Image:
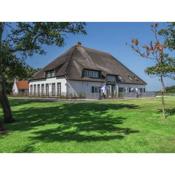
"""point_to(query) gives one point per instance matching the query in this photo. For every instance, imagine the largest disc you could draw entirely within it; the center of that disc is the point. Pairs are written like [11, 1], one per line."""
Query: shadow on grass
[29, 148]
[73, 122]
[168, 111]
[18, 102]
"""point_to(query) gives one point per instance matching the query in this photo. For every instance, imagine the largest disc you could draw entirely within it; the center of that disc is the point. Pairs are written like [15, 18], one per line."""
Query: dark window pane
[91, 74]
[92, 89]
[35, 89]
[53, 89]
[58, 89]
[47, 89]
[42, 89]
[121, 89]
[38, 89]
[50, 74]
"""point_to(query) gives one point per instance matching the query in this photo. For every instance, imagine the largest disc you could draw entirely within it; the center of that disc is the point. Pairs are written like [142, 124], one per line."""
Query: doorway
[110, 91]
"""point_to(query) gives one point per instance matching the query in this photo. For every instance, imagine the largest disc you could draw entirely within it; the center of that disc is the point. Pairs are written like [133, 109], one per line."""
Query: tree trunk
[8, 118]
[162, 96]
[2, 129]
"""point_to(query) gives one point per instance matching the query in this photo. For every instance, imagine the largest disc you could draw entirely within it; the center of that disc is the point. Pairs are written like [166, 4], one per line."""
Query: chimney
[79, 44]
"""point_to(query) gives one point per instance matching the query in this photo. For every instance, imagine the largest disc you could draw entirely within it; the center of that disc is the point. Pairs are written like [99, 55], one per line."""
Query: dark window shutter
[92, 89]
[83, 73]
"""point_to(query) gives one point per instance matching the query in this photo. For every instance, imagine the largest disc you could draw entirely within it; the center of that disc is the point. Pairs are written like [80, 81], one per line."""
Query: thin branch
[142, 54]
[154, 30]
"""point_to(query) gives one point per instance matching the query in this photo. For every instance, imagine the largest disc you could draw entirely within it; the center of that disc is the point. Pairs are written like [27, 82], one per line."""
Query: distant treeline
[170, 89]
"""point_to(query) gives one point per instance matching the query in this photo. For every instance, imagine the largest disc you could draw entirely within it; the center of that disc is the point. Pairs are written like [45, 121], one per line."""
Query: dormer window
[136, 78]
[50, 74]
[91, 74]
[120, 78]
[130, 78]
[111, 78]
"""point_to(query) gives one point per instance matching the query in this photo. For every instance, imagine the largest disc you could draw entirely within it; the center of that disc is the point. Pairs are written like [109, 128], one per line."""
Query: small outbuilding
[20, 87]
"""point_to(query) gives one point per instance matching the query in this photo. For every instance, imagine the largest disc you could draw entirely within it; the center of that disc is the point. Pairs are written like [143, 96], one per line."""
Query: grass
[85, 127]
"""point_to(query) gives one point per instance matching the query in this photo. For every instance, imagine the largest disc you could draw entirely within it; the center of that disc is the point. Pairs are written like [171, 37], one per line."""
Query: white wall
[84, 88]
[15, 89]
[72, 88]
[127, 86]
[49, 81]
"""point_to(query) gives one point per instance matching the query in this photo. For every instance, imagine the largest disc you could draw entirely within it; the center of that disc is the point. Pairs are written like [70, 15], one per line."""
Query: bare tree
[164, 64]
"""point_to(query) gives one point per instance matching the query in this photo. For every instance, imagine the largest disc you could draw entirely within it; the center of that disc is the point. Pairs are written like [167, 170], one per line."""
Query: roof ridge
[102, 52]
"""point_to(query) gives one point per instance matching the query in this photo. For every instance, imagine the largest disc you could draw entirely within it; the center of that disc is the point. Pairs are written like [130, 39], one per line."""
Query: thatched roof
[72, 62]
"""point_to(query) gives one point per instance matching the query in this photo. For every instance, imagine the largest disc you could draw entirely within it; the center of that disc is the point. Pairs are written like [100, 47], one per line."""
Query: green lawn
[84, 127]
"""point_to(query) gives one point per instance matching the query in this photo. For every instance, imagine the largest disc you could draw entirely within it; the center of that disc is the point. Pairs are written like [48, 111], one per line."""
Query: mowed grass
[105, 126]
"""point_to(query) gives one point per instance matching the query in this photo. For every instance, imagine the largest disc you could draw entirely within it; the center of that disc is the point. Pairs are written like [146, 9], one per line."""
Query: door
[58, 89]
[110, 91]
[47, 89]
[53, 89]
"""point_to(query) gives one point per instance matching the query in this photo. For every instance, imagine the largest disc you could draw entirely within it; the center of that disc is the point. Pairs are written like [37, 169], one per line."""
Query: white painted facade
[83, 89]
[127, 86]
[15, 88]
[72, 88]
[69, 88]
[49, 82]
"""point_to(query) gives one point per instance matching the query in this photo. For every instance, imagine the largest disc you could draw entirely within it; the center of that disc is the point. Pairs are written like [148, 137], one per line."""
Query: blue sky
[111, 38]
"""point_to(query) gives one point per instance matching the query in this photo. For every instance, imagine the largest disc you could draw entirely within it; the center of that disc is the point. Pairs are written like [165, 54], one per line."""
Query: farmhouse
[85, 72]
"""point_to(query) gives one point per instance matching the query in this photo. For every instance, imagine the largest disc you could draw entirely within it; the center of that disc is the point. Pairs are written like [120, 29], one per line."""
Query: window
[95, 89]
[131, 89]
[91, 74]
[120, 78]
[59, 89]
[38, 89]
[42, 89]
[53, 89]
[111, 78]
[50, 74]
[31, 89]
[130, 77]
[143, 89]
[35, 89]
[121, 89]
[47, 89]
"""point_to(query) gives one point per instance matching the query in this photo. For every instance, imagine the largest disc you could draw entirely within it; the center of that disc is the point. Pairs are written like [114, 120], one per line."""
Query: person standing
[103, 90]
